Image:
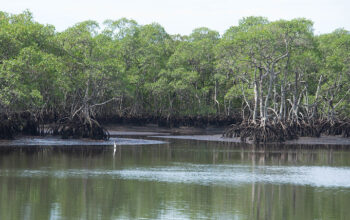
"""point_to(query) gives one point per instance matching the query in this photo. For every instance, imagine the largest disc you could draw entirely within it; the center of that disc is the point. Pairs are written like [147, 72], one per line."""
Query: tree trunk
[256, 95]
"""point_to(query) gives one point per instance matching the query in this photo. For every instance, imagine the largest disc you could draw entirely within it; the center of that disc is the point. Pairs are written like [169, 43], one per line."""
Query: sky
[182, 16]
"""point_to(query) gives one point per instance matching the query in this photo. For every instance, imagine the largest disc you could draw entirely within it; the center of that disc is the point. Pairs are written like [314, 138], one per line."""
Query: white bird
[115, 147]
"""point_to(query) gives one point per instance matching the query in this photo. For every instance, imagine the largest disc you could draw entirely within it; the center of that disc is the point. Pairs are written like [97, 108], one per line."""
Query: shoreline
[213, 134]
[153, 132]
[323, 140]
[151, 129]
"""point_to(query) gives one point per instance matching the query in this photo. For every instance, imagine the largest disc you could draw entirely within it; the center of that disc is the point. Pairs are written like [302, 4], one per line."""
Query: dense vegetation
[282, 79]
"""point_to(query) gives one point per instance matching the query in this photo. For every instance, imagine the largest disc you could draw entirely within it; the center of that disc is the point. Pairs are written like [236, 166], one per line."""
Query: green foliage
[147, 71]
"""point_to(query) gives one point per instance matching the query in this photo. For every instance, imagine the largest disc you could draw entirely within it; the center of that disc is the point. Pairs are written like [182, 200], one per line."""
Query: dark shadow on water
[201, 152]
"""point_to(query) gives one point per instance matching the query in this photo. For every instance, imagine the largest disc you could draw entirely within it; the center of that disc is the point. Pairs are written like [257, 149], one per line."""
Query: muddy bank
[171, 122]
[152, 134]
[16, 124]
[154, 129]
[323, 140]
[212, 134]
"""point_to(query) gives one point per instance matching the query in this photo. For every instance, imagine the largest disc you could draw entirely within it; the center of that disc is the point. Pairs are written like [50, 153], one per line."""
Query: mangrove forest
[264, 80]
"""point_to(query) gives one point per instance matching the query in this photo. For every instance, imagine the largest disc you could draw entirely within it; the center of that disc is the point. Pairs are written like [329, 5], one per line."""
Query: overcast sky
[182, 16]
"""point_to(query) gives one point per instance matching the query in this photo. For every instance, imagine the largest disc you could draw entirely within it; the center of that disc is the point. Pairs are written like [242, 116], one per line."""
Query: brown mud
[27, 124]
[323, 140]
[172, 122]
[153, 132]
[214, 134]
[50, 124]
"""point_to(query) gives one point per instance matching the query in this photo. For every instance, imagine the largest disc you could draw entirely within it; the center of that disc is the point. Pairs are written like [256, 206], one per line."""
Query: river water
[172, 179]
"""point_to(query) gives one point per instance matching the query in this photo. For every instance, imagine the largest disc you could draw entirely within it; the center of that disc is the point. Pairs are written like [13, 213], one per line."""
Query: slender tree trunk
[295, 97]
[261, 94]
[256, 95]
[267, 98]
[315, 104]
[283, 91]
[215, 98]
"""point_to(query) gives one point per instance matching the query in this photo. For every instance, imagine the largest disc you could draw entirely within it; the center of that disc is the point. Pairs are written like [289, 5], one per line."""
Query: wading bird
[115, 147]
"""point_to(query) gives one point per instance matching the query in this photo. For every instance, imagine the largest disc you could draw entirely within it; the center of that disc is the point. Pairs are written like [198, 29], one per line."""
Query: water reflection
[55, 141]
[227, 175]
[179, 180]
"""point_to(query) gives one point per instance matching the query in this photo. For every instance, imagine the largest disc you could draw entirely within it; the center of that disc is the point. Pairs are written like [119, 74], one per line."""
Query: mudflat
[125, 135]
[211, 134]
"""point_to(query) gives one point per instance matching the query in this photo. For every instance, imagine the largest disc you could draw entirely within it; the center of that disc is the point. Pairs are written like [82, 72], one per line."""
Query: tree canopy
[262, 69]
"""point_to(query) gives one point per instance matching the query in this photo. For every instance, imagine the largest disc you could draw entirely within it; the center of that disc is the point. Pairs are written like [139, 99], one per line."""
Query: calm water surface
[176, 180]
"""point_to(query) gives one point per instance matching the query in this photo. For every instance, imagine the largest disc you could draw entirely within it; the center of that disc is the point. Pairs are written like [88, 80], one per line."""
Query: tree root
[283, 131]
[271, 132]
[16, 123]
[78, 129]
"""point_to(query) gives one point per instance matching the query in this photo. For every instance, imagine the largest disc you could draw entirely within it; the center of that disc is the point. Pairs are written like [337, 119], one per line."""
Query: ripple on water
[53, 141]
[317, 176]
